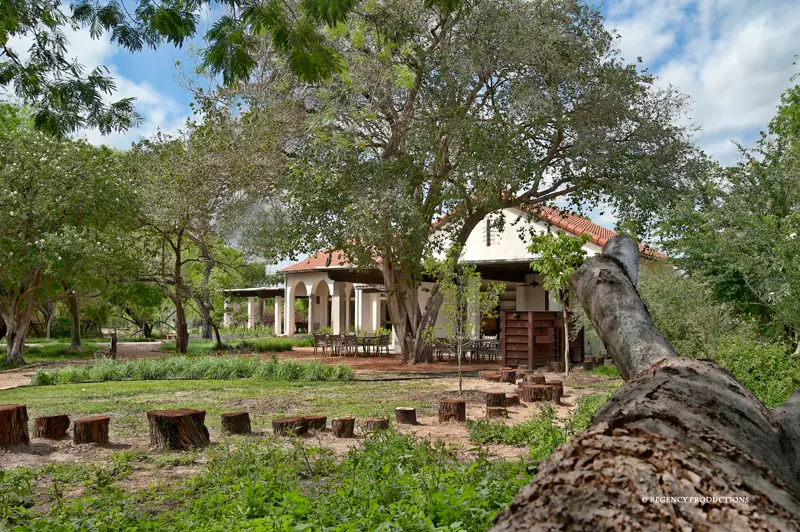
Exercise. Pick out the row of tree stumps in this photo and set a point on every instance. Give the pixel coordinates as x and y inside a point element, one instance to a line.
<point>14,427</point>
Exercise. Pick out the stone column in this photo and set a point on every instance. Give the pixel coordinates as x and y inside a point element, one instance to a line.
<point>347,317</point>
<point>227,317</point>
<point>288,315</point>
<point>311,315</point>
<point>359,317</point>
<point>376,311</point>
<point>278,314</point>
<point>337,298</point>
<point>252,310</point>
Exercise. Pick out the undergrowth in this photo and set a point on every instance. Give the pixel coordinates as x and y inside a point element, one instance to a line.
<point>392,482</point>
<point>194,368</point>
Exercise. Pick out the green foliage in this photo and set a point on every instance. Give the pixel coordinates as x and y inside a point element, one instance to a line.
<point>606,371</point>
<point>59,351</point>
<point>542,433</point>
<point>765,368</point>
<point>392,482</point>
<point>558,256</point>
<point>194,368</point>
<point>254,345</point>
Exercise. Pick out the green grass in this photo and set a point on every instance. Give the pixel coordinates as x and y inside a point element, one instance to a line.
<point>194,368</point>
<point>393,482</point>
<point>127,402</point>
<point>53,352</point>
<point>605,371</point>
<point>252,345</point>
<point>543,432</point>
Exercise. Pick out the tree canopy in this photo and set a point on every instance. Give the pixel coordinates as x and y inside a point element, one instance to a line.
<point>461,110</point>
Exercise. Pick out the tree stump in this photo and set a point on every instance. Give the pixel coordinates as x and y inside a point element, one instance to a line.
<point>508,375</point>
<point>289,426</point>
<point>236,423</point>
<point>343,427</point>
<point>496,399</point>
<point>372,424</point>
<point>523,373</point>
<point>533,393</point>
<point>51,427</point>
<point>541,369</point>
<point>13,425</point>
<point>556,367</point>
<point>316,422</point>
<point>493,412</point>
<point>492,376</point>
<point>512,399</point>
<point>556,392</point>
<point>588,365</point>
<point>180,429</point>
<point>522,367</point>
<point>452,410</point>
<point>405,415</point>
<point>92,429</point>
<point>535,379</point>
<point>608,362</point>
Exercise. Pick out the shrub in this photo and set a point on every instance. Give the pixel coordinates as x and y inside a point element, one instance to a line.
<point>765,368</point>
<point>541,433</point>
<point>606,371</point>
<point>587,406</point>
<point>193,368</point>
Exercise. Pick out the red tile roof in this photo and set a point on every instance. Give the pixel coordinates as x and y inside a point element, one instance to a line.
<point>319,260</point>
<point>578,225</point>
<point>573,223</point>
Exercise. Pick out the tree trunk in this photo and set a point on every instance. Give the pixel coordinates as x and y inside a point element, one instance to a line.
<point>181,327</point>
<point>682,445</point>
<point>219,346</point>
<point>289,426</point>
<point>496,399</point>
<point>452,410</point>
<point>93,429</point>
<point>76,343</point>
<point>565,318</point>
<point>236,423</point>
<point>316,422</point>
<point>405,415</point>
<point>13,425</point>
<point>343,427</point>
<point>48,311</point>
<point>181,429</point>
<point>372,424</point>
<point>51,427</point>
<point>493,412</point>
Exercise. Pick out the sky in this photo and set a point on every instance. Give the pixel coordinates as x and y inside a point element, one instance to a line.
<point>733,58</point>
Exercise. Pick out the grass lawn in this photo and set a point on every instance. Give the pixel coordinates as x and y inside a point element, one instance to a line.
<point>54,352</point>
<point>127,402</point>
<point>253,345</point>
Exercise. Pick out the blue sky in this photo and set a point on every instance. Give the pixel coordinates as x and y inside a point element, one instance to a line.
<point>733,58</point>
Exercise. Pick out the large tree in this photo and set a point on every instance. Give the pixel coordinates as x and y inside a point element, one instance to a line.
<point>740,229</point>
<point>59,204</point>
<point>465,108</point>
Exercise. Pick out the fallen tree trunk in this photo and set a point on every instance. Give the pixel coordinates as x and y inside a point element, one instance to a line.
<point>682,445</point>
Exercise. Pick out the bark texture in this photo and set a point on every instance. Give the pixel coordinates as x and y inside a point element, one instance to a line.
<point>316,422</point>
<point>93,429</point>
<point>13,425</point>
<point>371,424</point>
<point>496,399</point>
<point>236,423</point>
<point>682,445</point>
<point>493,412</point>
<point>452,410</point>
<point>508,375</point>
<point>181,429</point>
<point>51,427</point>
<point>343,427</point>
<point>512,399</point>
<point>405,415</point>
<point>289,426</point>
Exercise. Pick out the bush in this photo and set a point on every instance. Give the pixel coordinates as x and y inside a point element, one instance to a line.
<point>250,345</point>
<point>765,368</point>
<point>606,371</point>
<point>193,368</point>
<point>541,433</point>
<point>392,482</point>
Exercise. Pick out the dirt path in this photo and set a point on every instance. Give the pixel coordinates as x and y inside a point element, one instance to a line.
<point>16,377</point>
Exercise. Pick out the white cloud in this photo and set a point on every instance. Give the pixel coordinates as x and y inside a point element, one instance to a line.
<point>160,112</point>
<point>733,58</point>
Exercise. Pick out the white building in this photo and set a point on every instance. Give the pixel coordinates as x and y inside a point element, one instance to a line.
<point>343,299</point>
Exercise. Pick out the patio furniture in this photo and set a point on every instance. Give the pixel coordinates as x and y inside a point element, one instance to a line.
<point>382,345</point>
<point>336,343</point>
<point>368,344</point>
<point>321,341</point>
<point>350,344</point>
